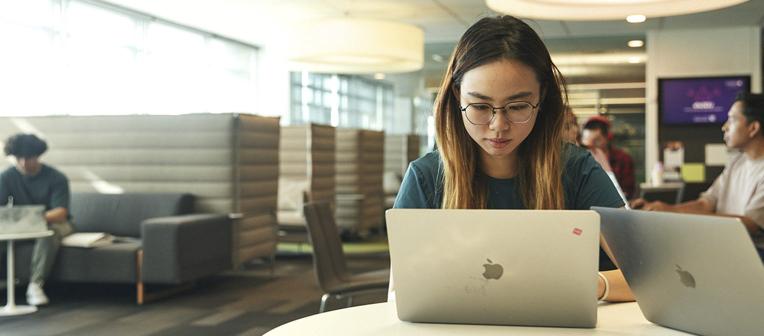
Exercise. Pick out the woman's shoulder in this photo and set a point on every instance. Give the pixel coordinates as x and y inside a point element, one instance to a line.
<point>578,161</point>
<point>421,187</point>
<point>586,183</point>
<point>428,164</point>
<point>576,157</point>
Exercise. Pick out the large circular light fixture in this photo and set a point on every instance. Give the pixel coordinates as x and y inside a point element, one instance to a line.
<point>354,46</point>
<point>604,9</point>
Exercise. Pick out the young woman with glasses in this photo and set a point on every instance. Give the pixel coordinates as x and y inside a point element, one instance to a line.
<point>499,119</point>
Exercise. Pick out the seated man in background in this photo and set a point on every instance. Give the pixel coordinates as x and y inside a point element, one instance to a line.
<point>739,190</point>
<point>572,134</point>
<point>30,182</point>
<point>597,134</point>
<point>571,131</point>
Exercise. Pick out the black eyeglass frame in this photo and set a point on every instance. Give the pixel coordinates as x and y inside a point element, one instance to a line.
<point>504,108</point>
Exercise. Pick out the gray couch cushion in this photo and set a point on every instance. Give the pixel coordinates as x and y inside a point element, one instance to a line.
<point>111,264</point>
<point>122,214</point>
<point>184,248</point>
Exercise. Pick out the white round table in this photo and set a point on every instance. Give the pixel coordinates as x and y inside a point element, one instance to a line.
<point>10,308</point>
<point>381,319</point>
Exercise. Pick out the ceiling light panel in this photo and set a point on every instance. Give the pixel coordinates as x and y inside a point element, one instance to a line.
<point>355,46</point>
<point>599,59</point>
<point>604,9</point>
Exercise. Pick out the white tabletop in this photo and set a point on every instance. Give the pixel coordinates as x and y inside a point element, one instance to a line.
<point>381,319</point>
<point>25,235</point>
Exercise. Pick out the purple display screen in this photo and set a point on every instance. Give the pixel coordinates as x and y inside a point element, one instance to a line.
<point>686,101</point>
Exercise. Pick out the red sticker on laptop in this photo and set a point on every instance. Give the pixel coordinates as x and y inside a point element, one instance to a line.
<point>577,231</point>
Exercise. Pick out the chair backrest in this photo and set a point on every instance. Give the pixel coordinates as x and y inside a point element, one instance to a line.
<point>328,257</point>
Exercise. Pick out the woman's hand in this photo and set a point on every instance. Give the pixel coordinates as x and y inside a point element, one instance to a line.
<point>617,289</point>
<point>600,288</point>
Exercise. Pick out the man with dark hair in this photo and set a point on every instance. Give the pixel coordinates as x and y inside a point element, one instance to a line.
<point>30,182</point>
<point>596,134</point>
<point>739,190</point>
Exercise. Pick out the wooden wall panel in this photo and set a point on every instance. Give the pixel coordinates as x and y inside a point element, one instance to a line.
<point>359,169</point>
<point>307,165</point>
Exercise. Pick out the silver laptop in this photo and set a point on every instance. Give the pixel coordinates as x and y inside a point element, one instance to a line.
<point>22,219</point>
<point>505,267</point>
<point>694,273</point>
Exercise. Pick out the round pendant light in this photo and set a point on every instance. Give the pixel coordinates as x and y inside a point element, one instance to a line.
<point>355,46</point>
<point>595,10</point>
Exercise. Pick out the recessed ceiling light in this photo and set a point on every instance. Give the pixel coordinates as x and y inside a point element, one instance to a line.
<point>637,18</point>
<point>437,58</point>
<point>379,76</point>
<point>636,43</point>
<point>635,60</point>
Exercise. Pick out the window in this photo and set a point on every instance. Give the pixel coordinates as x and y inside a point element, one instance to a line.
<point>339,100</point>
<point>82,58</point>
<point>424,123</point>
<point>313,98</point>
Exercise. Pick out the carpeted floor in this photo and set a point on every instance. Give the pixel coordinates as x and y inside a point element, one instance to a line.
<point>369,246</point>
<point>248,302</point>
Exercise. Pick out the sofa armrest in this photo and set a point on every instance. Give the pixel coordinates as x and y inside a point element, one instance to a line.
<point>179,249</point>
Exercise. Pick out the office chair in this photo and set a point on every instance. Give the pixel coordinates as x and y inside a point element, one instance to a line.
<point>329,259</point>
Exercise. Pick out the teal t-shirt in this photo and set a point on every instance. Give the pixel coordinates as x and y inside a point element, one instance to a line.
<point>584,182</point>
<point>49,187</point>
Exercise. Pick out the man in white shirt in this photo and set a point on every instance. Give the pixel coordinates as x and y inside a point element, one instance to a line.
<point>739,190</point>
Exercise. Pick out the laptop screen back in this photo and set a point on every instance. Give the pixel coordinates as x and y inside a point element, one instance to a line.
<point>22,219</point>
<point>689,272</point>
<point>510,267</point>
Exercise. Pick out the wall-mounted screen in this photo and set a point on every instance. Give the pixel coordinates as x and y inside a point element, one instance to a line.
<point>701,100</point>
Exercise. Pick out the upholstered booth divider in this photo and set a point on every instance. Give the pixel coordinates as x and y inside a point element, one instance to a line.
<point>360,165</point>
<point>228,161</point>
<point>306,168</point>
<point>256,185</point>
<point>400,150</point>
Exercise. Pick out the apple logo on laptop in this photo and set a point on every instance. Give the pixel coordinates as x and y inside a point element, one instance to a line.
<point>492,271</point>
<point>685,277</point>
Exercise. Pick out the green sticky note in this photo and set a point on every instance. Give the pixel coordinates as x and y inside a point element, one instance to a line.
<point>694,172</point>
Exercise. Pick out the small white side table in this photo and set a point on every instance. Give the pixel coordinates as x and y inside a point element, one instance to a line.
<point>11,309</point>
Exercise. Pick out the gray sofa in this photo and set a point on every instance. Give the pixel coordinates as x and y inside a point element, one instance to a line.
<point>161,241</point>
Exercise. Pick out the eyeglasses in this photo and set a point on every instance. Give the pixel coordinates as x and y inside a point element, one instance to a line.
<point>517,112</point>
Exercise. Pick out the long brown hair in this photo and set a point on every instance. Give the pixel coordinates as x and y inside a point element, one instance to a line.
<point>539,165</point>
